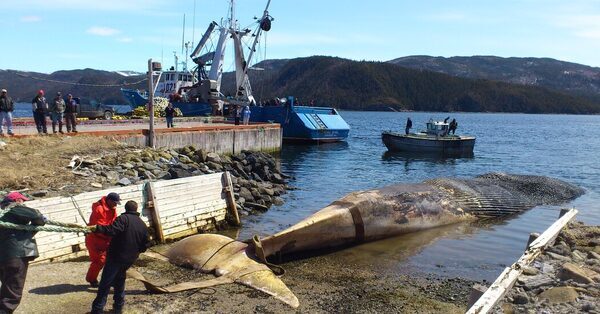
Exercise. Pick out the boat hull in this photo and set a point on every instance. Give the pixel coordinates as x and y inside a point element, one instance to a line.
<point>305,124</point>
<point>448,145</point>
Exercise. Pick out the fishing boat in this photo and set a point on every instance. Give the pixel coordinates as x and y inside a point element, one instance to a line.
<point>434,140</point>
<point>198,92</point>
<point>304,123</point>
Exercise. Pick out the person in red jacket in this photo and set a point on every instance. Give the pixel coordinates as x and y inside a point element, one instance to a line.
<point>104,213</point>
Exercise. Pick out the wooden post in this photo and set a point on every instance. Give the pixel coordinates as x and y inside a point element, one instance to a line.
<point>155,215</point>
<point>509,276</point>
<point>151,103</point>
<point>232,213</point>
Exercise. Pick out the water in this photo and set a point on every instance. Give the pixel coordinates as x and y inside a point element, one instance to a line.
<point>561,146</point>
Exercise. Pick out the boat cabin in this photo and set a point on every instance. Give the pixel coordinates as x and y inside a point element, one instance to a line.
<point>437,128</point>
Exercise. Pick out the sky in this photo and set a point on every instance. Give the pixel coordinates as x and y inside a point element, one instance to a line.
<point>51,35</point>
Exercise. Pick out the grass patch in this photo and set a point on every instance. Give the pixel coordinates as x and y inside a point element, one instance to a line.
<point>40,162</point>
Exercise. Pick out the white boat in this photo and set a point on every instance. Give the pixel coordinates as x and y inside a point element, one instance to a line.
<point>434,140</point>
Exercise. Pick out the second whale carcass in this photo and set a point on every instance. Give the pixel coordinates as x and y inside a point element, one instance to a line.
<point>367,216</point>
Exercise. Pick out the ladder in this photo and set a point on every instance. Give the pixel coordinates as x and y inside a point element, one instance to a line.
<point>320,124</point>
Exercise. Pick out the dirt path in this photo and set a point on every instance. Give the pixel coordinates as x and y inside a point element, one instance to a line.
<point>322,284</point>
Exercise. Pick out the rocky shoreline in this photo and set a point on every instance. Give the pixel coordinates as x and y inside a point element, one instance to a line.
<point>564,279</point>
<point>258,183</point>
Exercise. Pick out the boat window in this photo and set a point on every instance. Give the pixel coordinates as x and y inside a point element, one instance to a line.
<point>180,77</point>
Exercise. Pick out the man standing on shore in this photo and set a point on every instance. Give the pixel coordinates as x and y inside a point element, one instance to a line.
<point>39,105</point>
<point>71,114</point>
<point>57,111</point>
<point>104,213</point>
<point>130,238</point>
<point>6,108</point>
<point>18,249</point>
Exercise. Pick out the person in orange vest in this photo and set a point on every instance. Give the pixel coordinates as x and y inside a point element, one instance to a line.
<point>104,213</point>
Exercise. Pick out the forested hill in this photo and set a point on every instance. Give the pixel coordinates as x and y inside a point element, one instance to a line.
<point>363,85</point>
<point>98,85</point>
<point>342,83</point>
<point>568,77</point>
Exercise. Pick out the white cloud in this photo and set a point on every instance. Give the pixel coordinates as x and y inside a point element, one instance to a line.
<point>102,31</point>
<point>125,39</point>
<point>582,25</point>
<point>30,19</point>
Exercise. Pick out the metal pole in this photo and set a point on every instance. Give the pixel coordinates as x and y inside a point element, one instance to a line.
<point>150,104</point>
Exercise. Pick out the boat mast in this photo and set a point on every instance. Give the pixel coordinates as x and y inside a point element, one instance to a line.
<point>243,86</point>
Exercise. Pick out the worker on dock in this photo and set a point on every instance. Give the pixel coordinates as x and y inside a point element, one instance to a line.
<point>57,111</point>
<point>71,114</point>
<point>129,238</point>
<point>169,114</point>
<point>104,213</point>
<point>238,114</point>
<point>408,126</point>
<point>246,114</point>
<point>39,105</point>
<point>6,108</point>
<point>18,249</point>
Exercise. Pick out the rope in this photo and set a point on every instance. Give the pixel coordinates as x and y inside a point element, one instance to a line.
<point>81,84</point>
<point>51,225</point>
<point>78,209</point>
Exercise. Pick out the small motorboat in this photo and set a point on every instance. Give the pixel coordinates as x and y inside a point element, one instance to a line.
<point>435,140</point>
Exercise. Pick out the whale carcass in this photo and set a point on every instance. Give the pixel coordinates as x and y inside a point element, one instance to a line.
<point>367,216</point>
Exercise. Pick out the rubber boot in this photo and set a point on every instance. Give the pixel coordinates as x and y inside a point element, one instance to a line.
<point>60,128</point>
<point>54,128</point>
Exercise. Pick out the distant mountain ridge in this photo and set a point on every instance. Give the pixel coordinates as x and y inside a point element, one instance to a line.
<point>572,78</point>
<point>360,85</point>
<point>87,83</point>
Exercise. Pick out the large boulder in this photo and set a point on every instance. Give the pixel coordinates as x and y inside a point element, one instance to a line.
<point>213,157</point>
<point>177,173</point>
<point>576,273</point>
<point>559,295</point>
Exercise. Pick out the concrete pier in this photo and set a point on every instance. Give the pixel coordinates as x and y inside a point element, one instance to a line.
<point>218,137</point>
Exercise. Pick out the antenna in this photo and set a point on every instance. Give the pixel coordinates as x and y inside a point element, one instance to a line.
<point>194,24</point>
<point>183,35</point>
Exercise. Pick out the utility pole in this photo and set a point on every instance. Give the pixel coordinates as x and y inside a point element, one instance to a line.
<point>151,103</point>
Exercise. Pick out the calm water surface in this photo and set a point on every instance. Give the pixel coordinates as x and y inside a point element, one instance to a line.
<point>561,146</point>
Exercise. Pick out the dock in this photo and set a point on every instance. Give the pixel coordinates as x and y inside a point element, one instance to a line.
<point>211,135</point>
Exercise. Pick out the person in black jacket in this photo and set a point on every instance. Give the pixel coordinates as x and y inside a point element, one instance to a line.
<point>18,249</point>
<point>129,239</point>
<point>408,126</point>
<point>169,114</point>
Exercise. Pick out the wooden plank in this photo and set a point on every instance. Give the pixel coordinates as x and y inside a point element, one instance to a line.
<point>189,180</point>
<point>232,213</point>
<point>152,206</point>
<point>193,200</point>
<point>188,214</point>
<point>509,276</point>
<point>192,227</point>
<point>194,219</point>
<point>195,208</point>
<point>213,190</point>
